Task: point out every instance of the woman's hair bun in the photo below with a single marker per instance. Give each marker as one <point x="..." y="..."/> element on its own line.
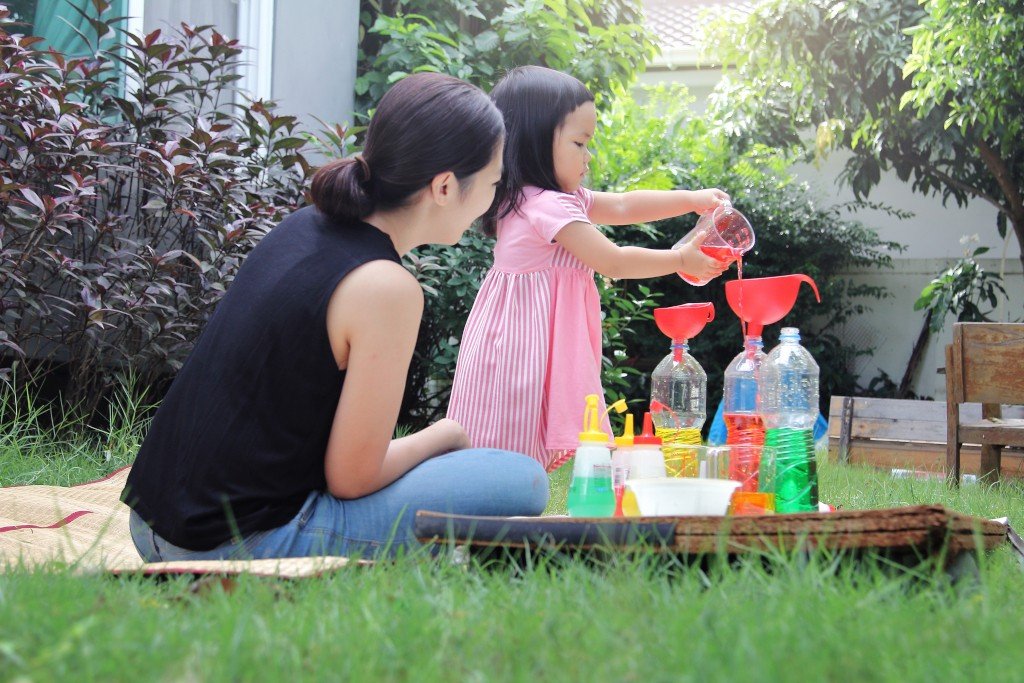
<point x="340" y="189"/>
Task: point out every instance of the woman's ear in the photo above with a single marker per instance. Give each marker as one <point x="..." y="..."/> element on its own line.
<point x="443" y="187"/>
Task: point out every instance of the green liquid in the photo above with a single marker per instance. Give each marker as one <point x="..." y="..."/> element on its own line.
<point x="796" y="472"/>
<point x="591" y="497"/>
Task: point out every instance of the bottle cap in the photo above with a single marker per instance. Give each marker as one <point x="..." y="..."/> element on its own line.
<point x="592" y="432"/>
<point x="627" y="433"/>
<point x="647" y="437"/>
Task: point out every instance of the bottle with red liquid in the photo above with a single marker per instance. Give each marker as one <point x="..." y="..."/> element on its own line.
<point x="743" y="422"/>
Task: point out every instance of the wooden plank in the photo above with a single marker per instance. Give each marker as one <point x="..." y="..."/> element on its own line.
<point x="846" y="420"/>
<point x="993" y="361"/>
<point x="889" y="455"/>
<point x="1004" y="432"/>
<point x="835" y="412"/>
<point x="954" y="445"/>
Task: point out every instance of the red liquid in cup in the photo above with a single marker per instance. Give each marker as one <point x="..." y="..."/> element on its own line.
<point x="723" y="254"/>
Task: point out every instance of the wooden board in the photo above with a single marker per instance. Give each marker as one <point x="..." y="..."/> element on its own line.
<point x="992" y="357"/>
<point x="927" y="529"/>
<point x="924" y="457"/>
<point x="904" y="419"/>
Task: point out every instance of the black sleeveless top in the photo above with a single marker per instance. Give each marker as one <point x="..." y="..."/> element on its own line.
<point x="239" y="441"/>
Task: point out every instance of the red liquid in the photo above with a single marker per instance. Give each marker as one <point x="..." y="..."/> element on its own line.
<point x="723" y="254"/>
<point x="744" y="463"/>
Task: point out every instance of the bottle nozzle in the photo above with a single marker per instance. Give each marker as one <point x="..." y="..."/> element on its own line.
<point x="628" y="432"/>
<point x="647" y="437"/>
<point x="592" y="432"/>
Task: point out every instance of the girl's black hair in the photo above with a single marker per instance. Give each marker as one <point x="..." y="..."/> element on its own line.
<point x="534" y="101"/>
<point x="426" y="124"/>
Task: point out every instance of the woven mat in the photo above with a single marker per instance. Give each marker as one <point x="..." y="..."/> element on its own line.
<point x="85" y="527"/>
<point x="925" y="529"/>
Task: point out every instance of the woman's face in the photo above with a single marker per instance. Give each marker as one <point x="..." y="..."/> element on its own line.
<point x="476" y="197"/>
<point x="569" y="150"/>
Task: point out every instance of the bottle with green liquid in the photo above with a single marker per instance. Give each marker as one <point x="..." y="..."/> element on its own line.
<point x="788" y="403"/>
<point x="590" y="492"/>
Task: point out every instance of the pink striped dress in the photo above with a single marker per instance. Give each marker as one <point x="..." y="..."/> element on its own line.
<point x="531" y="349"/>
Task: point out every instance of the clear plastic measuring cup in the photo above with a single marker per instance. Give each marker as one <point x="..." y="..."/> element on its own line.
<point x="723" y="233"/>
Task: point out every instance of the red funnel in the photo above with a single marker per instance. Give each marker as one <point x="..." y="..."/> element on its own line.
<point x="761" y="301"/>
<point x="684" y="321"/>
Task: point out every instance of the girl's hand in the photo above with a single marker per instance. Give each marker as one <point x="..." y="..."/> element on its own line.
<point x="699" y="265"/>
<point x="709" y="199"/>
<point x="453" y="435"/>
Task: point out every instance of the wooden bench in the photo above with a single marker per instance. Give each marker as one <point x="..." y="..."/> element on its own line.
<point x="906" y="434"/>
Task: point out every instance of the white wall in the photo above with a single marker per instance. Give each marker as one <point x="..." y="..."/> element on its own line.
<point x="315" y="45"/>
<point x="932" y="237"/>
<point x="311" y="70"/>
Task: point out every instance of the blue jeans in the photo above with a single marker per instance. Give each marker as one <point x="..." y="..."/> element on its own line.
<point x="480" y="481"/>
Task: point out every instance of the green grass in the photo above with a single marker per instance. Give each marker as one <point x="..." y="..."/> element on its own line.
<point x="621" y="619"/>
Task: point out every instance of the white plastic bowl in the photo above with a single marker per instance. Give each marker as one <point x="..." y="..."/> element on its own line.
<point x="682" y="496"/>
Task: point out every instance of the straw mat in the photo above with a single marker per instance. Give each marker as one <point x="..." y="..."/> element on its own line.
<point x="85" y="527"/>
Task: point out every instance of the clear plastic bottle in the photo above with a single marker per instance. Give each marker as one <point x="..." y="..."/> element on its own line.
<point x="789" y="406"/>
<point x="679" y="389"/>
<point x="743" y="421"/>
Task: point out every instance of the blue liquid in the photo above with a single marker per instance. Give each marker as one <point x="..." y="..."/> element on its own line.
<point x="591" y="497"/>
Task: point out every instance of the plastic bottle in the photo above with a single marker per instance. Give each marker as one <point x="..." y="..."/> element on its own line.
<point x="648" y="459"/>
<point x="789" y="405"/>
<point x="590" y="492"/>
<point x="679" y="390"/>
<point x="743" y="422"/>
<point x="622" y="460"/>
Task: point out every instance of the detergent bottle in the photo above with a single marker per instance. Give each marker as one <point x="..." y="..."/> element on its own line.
<point x="648" y="459"/>
<point x="590" y="492"/>
<point x="622" y="459"/>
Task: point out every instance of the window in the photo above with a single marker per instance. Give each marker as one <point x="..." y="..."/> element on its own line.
<point x="63" y="23"/>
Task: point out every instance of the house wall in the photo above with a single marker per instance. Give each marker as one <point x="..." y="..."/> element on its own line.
<point x="932" y="238"/>
<point x="311" y="68"/>
<point x="315" y="46"/>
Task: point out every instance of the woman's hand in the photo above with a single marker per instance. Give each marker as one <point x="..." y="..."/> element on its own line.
<point x="709" y="199"/>
<point x="699" y="265"/>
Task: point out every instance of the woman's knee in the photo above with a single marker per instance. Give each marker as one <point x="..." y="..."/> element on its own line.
<point x="524" y="481"/>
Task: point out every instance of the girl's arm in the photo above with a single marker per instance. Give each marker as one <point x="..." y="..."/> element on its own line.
<point x="589" y="245"/>
<point x="372" y="321"/>
<point x="642" y="206"/>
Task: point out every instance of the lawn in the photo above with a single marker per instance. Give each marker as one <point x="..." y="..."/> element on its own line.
<point x="635" y="619"/>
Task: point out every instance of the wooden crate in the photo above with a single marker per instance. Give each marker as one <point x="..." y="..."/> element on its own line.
<point x="906" y="434"/>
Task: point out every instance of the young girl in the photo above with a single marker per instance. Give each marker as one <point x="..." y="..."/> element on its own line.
<point x="531" y="350"/>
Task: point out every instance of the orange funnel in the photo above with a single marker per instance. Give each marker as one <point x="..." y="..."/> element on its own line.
<point x="684" y="321"/>
<point x="761" y="301"/>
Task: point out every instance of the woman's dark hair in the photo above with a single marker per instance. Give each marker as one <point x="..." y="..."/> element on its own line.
<point x="426" y="124"/>
<point x="534" y="101"/>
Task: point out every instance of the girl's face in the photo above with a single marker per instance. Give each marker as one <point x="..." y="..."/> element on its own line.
<point x="571" y="156"/>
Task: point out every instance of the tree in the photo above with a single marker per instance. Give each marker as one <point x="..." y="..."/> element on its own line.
<point x="933" y="90"/>
<point x="601" y="42"/>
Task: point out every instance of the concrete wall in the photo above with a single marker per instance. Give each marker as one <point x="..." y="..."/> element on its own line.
<point x="163" y="14"/>
<point x="933" y="240"/>
<point x="313" y="43"/>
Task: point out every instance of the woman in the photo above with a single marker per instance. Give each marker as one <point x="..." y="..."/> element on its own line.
<point x="275" y="438"/>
